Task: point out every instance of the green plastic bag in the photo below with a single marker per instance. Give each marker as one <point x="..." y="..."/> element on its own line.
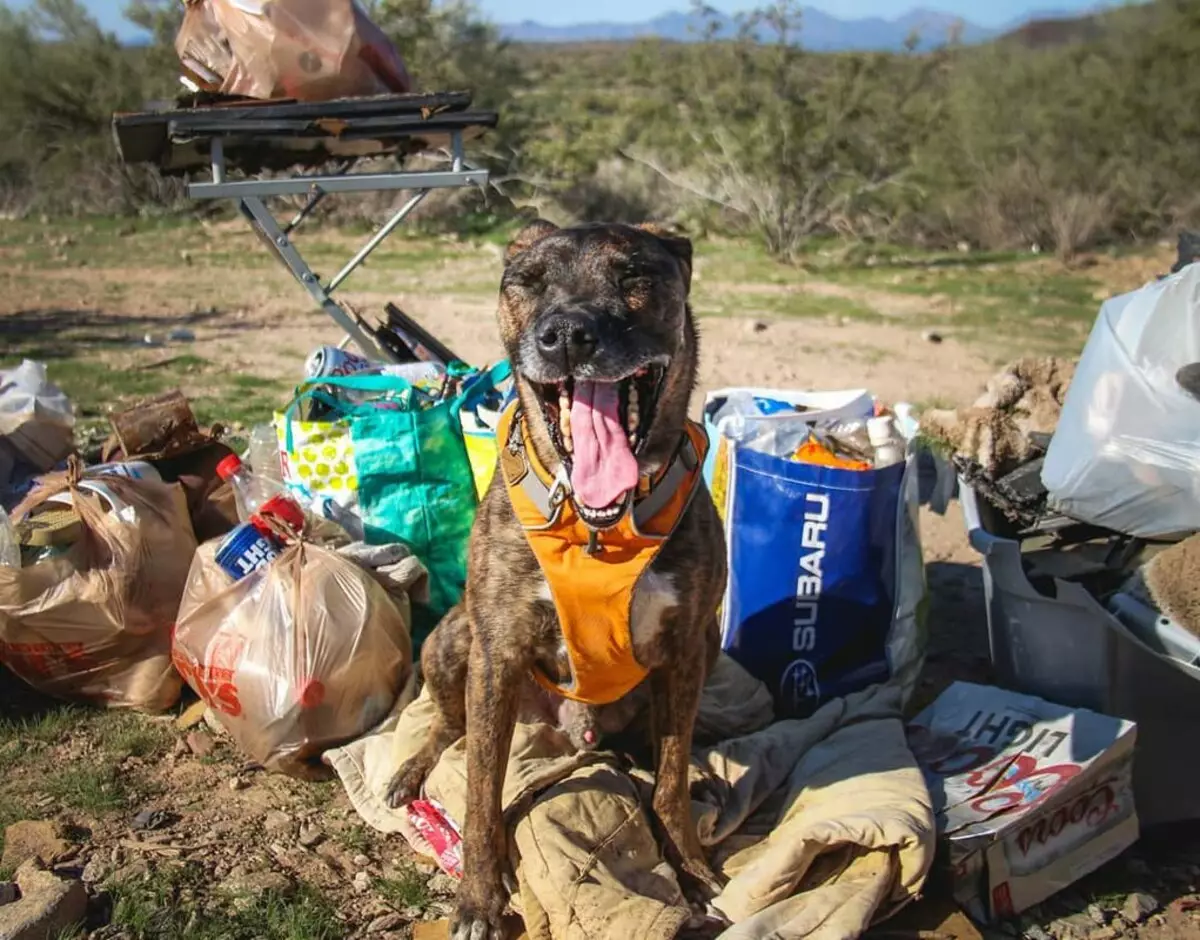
<point x="415" y="483"/>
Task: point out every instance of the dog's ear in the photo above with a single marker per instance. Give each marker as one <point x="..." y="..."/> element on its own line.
<point x="525" y="239"/>
<point x="679" y="246"/>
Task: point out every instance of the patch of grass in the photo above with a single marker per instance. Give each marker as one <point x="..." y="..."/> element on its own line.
<point x="409" y="889"/>
<point x="48" y="727"/>
<point x="97" y="788"/>
<point x="168" y="906"/>
<point x="123" y="734"/>
<point x="73" y="932"/>
<point x="355" y="839"/>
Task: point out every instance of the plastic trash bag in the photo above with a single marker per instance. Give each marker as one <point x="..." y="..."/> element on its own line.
<point x="295" y="658"/>
<point x="310" y="50"/>
<point x="1126" y="453"/>
<point x="94" y="624"/>
<point x="36" y="417"/>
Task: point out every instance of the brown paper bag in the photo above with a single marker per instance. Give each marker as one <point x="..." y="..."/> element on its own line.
<point x="311" y="50"/>
<point x="94" y="624"/>
<point x="295" y="658"/>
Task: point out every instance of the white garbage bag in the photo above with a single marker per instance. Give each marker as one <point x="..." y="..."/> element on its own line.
<point x="1126" y="453"/>
<point x="36" y="417"/>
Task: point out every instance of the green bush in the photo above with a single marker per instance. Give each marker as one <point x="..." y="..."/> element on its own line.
<point x="1066" y="146"/>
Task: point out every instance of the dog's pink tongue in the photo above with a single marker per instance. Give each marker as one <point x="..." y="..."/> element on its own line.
<point x="604" y="467"/>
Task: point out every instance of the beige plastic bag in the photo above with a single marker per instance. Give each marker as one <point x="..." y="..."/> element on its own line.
<point x="311" y="50"/>
<point x="94" y="624"/>
<point x="295" y="658"/>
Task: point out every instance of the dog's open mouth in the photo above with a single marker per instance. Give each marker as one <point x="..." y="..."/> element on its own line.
<point x="599" y="428"/>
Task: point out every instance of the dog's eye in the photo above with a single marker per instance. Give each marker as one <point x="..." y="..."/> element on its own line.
<point x="526" y="279"/>
<point x="636" y="283"/>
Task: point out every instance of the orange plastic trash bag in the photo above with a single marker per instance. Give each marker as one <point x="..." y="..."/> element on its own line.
<point x="93" y="624"/>
<point x="305" y="654"/>
<point x="310" y="50"/>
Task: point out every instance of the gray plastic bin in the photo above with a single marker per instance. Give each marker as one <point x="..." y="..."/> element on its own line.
<point x="1069" y="649"/>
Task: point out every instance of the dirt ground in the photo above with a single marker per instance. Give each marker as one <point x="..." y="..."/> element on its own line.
<point x="86" y="300"/>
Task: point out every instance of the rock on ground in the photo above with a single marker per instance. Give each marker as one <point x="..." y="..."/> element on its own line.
<point x="26" y="840"/>
<point x="48" y="905"/>
<point x="1138" y="907"/>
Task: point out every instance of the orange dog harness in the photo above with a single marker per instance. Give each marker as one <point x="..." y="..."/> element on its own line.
<point x="592" y="575"/>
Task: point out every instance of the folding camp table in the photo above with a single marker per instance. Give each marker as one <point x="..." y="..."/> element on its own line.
<point x="307" y="147"/>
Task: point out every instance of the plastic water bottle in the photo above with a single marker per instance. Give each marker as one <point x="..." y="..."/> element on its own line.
<point x="250" y="491"/>
<point x="889" y="449"/>
<point x="263" y="453"/>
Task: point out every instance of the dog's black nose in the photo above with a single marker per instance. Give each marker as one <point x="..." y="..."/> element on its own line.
<point x="567" y="338"/>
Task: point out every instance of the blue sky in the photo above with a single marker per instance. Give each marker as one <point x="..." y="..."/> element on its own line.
<point x="983" y="12"/>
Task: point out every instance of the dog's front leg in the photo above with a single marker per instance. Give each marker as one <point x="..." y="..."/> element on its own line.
<point x="675" y="699"/>
<point x="493" y="685"/>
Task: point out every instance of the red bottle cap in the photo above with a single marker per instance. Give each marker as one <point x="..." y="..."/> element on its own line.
<point x="284" y="508"/>
<point x="229" y="466"/>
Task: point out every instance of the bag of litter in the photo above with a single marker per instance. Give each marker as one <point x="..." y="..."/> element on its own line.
<point x="304" y="654"/>
<point x="1126" y="452"/>
<point x="310" y="50"/>
<point x="94" y="623"/>
<point x="36" y="417"/>
<point x="826" y="576"/>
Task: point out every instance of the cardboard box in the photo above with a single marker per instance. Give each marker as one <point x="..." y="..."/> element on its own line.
<point x="1029" y="796"/>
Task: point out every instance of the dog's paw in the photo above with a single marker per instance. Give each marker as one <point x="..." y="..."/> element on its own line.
<point x="405" y="786"/>
<point x="479" y="922"/>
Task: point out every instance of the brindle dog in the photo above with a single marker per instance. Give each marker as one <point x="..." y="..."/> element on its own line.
<point x="587" y="304"/>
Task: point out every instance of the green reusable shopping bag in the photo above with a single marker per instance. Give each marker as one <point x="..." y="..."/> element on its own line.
<point x="415" y="483"/>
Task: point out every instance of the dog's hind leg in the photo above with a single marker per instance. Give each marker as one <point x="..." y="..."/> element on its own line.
<point x="674" y="701"/>
<point x="444" y="665"/>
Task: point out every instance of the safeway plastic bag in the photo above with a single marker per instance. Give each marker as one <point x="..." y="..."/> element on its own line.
<point x="826" y="576"/>
<point x="36" y="417"/>
<point x="94" y="624"/>
<point x="311" y="50"/>
<point x="295" y="658"/>
<point x="1126" y="453"/>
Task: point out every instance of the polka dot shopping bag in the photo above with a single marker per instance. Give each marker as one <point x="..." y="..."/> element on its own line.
<point x="319" y="458"/>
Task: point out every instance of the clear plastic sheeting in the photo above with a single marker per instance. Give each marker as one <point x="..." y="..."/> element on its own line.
<point x="295" y="658"/>
<point x="1126" y="454"/>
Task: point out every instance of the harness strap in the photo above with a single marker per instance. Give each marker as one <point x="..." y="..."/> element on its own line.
<point x="681" y="466"/>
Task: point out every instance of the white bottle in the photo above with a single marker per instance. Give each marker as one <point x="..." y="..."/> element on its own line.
<point x="889" y="449"/>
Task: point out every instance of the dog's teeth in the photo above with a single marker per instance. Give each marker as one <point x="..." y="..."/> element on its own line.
<point x="564" y="420"/>
<point x="631" y="413"/>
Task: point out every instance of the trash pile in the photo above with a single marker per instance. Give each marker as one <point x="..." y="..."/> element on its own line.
<point x="288" y="586"/>
<point x="1080" y="487"/>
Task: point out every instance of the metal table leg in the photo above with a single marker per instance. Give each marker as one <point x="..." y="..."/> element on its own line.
<point x="251" y="193"/>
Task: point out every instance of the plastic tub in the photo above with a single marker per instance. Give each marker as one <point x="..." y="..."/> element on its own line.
<point x="1069" y="649"/>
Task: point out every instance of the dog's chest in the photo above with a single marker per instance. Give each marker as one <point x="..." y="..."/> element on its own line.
<point x="655" y="597"/>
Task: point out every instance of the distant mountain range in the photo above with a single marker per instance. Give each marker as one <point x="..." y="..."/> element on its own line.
<point x="819" y="31"/>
